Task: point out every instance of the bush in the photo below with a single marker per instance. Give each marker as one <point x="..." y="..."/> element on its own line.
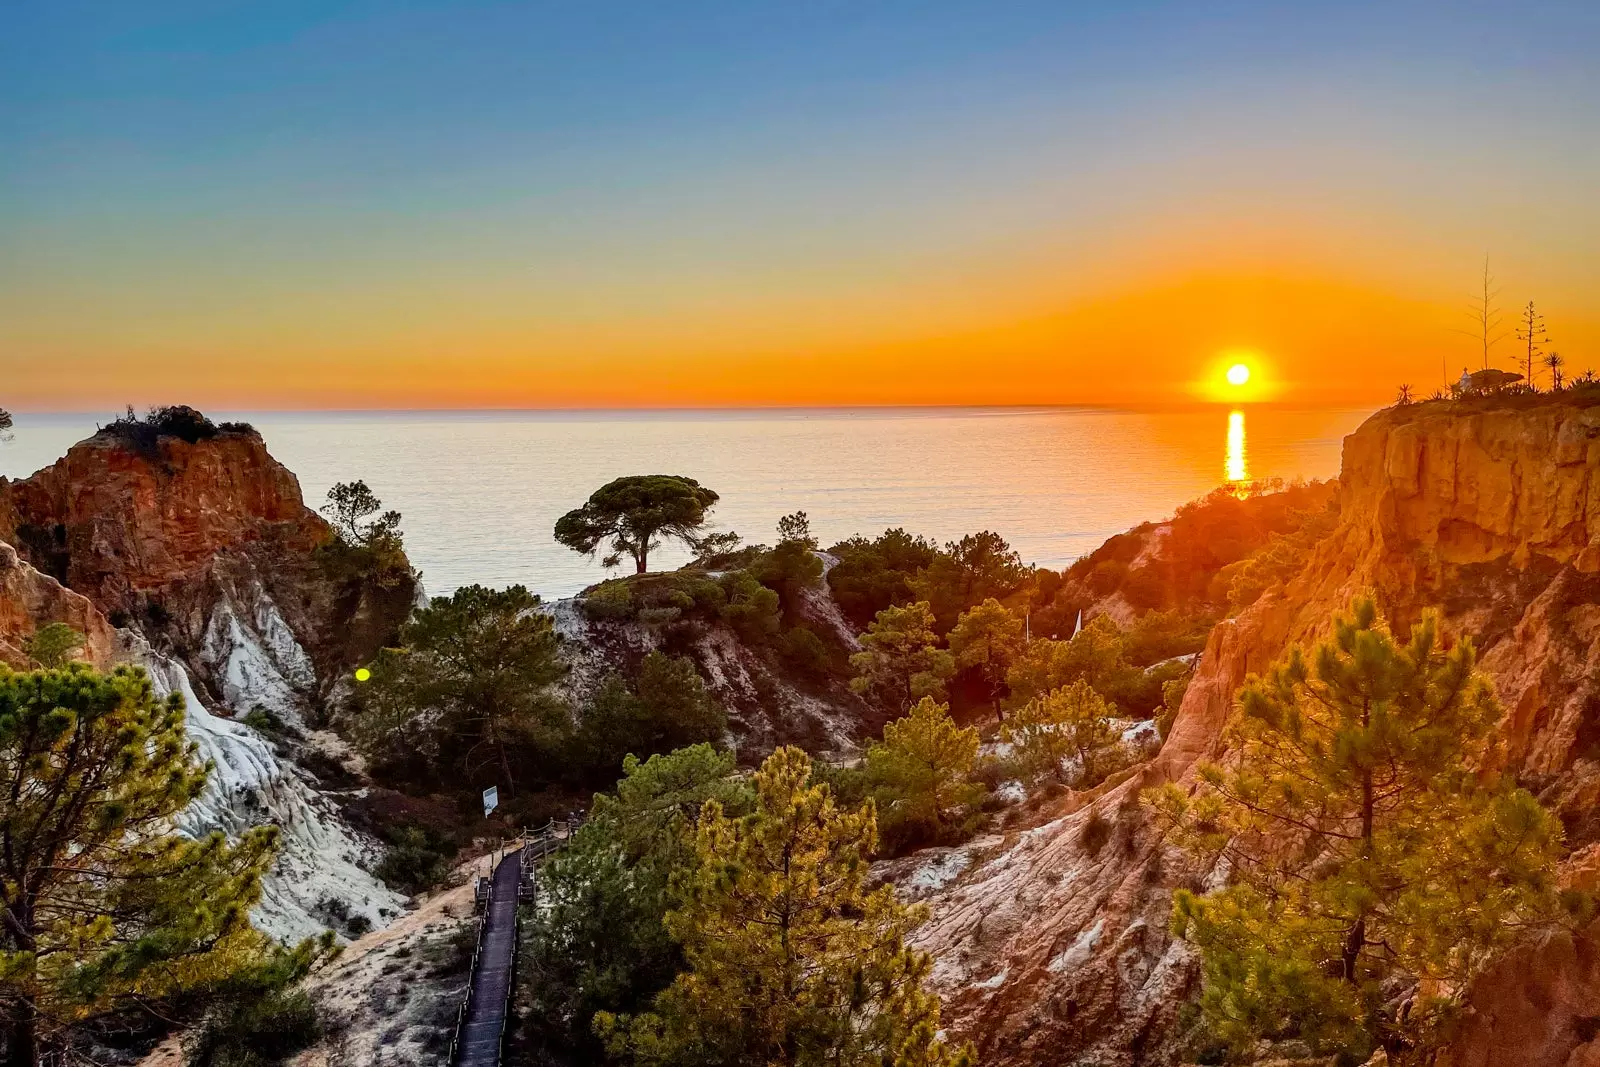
<point x="666" y="708"/>
<point x="850" y="782"/>
<point x="875" y="574"/>
<point x="1095" y="833"/>
<point x="263" y="721"/>
<point x="1172" y="692"/>
<point x="659" y="616"/>
<point x="260" y="1033"/>
<point x="803" y="650"/>
<point x="418" y="858"/>
<point x="751" y="608"/>
<point x="177" y="420"/>
<point x="608" y="600"/>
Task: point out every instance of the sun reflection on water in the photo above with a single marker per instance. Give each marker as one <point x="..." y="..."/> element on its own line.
<point x="1237" y="470"/>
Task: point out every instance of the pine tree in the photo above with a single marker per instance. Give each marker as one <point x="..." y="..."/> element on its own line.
<point x="901" y="657"/>
<point x="968" y="572"/>
<point x="598" y="941"/>
<point x="53" y="645"/>
<point x="470" y="689"/>
<point x="989" y="638"/>
<point x="1095" y="654"/>
<point x="922" y="773"/>
<point x="102" y="903"/>
<point x="792" y="960"/>
<point x="1070" y="723"/>
<point x="1369" y="845"/>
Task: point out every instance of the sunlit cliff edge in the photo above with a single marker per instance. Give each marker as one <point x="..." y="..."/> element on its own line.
<point x="1051" y="945"/>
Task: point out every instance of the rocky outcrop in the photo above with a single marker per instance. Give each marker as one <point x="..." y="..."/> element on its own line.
<point x="769" y="701"/>
<point x="207" y="548"/>
<point x="30" y="600"/>
<point x="1054" y="948"/>
<point x="323" y="866"/>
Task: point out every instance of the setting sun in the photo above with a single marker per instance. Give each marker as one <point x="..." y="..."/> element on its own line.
<point x="1238" y="374"/>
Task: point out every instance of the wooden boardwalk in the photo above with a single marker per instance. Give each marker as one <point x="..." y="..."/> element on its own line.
<point x="489" y="998"/>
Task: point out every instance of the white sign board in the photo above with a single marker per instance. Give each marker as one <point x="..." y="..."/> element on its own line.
<point x="491" y="800"/>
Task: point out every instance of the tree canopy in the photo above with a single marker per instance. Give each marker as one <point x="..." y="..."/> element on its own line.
<point x="791" y="960"/>
<point x="922" y="777"/>
<point x="633" y="514"/>
<point x="53" y="645"/>
<point x="667" y="708"/>
<point x="599" y="941"/>
<point x="368" y="536"/>
<point x="976" y="568"/>
<point x="102" y="904"/>
<point x="1069" y="728"/>
<point x="901" y="659"/>
<point x="470" y="688"/>
<point x="1371" y="846"/>
<point x="988" y="639"/>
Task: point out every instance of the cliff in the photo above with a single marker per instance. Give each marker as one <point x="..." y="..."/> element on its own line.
<point x="198" y="560"/>
<point x="1053" y="944"/>
<point x="30" y="600"/>
<point x="207" y="548"/>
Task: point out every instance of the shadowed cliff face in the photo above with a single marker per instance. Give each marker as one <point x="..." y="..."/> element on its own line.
<point x="1050" y="949"/>
<point x="209" y="550"/>
<point x="30" y="600"/>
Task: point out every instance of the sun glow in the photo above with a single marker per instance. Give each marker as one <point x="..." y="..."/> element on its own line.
<point x="1237" y="376"/>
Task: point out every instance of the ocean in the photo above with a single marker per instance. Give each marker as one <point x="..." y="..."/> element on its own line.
<point x="481" y="491"/>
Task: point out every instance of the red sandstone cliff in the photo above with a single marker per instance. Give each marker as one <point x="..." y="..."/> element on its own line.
<point x="208" y="548"/>
<point x="1053" y="946"/>
<point x="116" y="523"/>
<point x="30" y="600"/>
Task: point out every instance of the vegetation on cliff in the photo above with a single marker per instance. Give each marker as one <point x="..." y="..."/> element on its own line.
<point x="367" y="544"/>
<point x="1371" y="845"/>
<point x="176" y="421"/>
<point x="923" y="776"/>
<point x="468" y="693"/>
<point x="789" y="957"/>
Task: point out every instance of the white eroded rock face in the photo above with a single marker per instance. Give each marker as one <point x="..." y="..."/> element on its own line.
<point x="254" y="656"/>
<point x="320" y="858"/>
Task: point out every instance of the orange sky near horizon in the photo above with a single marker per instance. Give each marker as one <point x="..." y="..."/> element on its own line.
<point x="1309" y="340"/>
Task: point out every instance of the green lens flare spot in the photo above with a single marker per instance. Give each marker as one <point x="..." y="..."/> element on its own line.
<point x="362" y="674"/>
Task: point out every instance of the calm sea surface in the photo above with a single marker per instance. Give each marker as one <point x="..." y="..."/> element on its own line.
<point x="480" y="492"/>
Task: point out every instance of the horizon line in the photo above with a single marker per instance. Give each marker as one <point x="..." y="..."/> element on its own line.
<point x="1191" y="405"/>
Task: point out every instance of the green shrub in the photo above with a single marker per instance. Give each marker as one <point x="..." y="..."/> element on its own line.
<point x="418" y="859"/>
<point x="667" y="707"/>
<point x="658" y="616"/>
<point x="1095" y="833"/>
<point x="260" y="1033"/>
<point x="608" y="600"/>
<point x="1172" y="692"/>
<point x="803" y="650"/>
<point x="752" y="608"/>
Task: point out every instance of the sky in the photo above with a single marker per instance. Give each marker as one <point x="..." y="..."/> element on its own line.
<point x="546" y="205"/>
